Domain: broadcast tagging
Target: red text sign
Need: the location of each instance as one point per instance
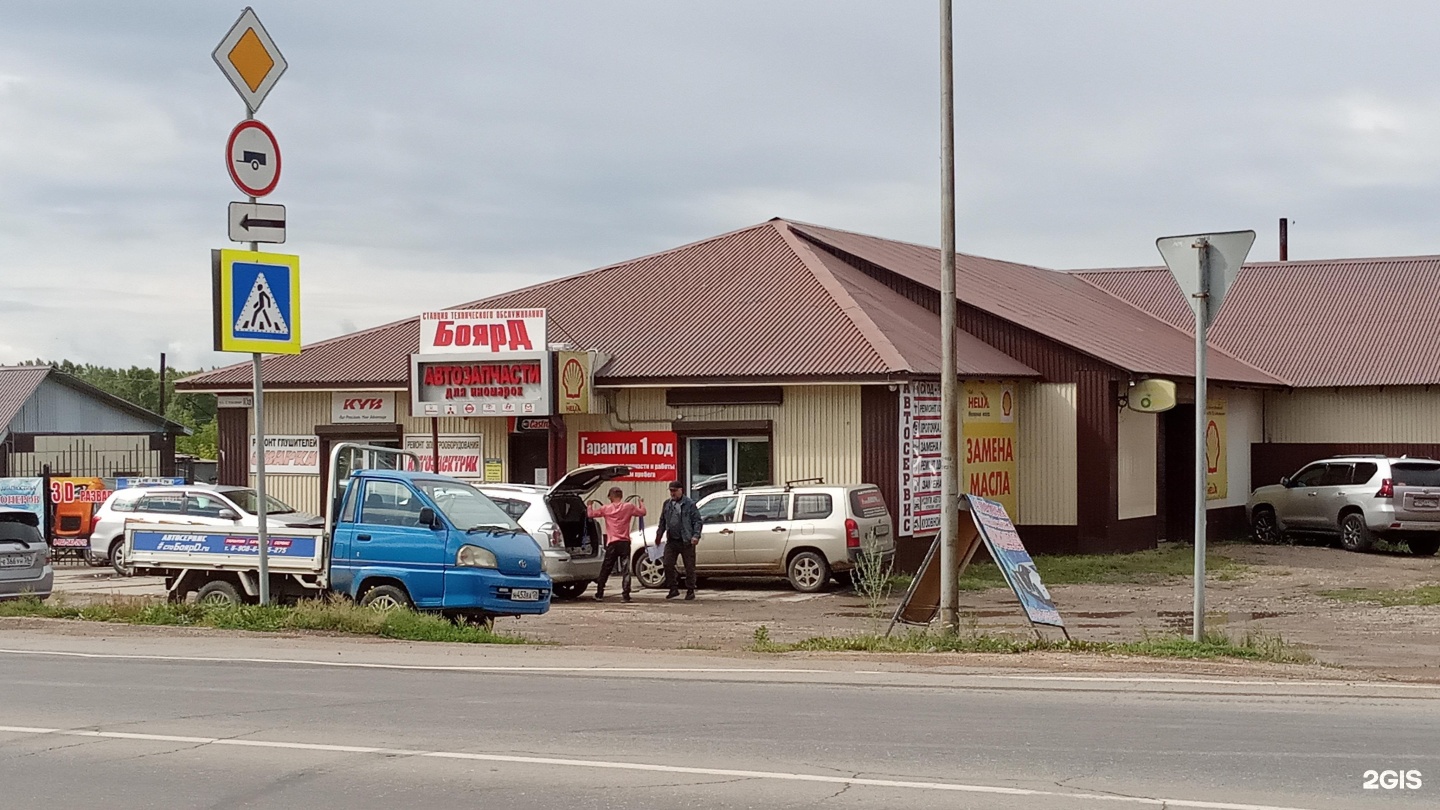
(474, 330)
(650, 455)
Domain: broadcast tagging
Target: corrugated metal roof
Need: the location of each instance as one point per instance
(17, 385)
(754, 303)
(1336, 322)
(1058, 305)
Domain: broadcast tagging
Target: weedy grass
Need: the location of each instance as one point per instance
(1168, 562)
(1423, 595)
(315, 616)
(1251, 647)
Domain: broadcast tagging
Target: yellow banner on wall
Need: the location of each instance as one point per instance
(1217, 457)
(576, 376)
(989, 458)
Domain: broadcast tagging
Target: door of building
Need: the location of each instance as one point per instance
(529, 458)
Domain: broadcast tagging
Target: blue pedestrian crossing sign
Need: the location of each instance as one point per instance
(257, 301)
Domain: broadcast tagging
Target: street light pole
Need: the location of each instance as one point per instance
(949, 385)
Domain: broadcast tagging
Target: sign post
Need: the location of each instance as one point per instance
(1204, 265)
(262, 315)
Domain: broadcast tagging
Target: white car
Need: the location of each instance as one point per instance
(571, 543)
(195, 505)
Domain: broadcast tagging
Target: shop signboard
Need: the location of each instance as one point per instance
(25, 494)
(650, 455)
(998, 532)
(517, 384)
(73, 502)
(362, 407)
(289, 455)
(461, 455)
(493, 331)
(577, 378)
(1217, 485)
(919, 459)
(987, 424)
(531, 424)
(127, 481)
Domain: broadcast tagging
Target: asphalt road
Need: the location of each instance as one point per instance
(199, 722)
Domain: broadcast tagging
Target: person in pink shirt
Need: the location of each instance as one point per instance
(617, 514)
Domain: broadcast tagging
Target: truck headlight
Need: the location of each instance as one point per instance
(476, 557)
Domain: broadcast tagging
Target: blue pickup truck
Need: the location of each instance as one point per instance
(395, 539)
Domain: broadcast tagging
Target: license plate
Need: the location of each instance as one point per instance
(1427, 503)
(17, 561)
(525, 595)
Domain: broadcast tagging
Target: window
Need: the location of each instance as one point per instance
(466, 506)
(1416, 475)
(1364, 471)
(163, 503)
(759, 508)
(347, 515)
(716, 465)
(515, 509)
(868, 503)
(1336, 475)
(390, 504)
(124, 504)
(249, 501)
(205, 506)
(720, 510)
(1310, 476)
(813, 507)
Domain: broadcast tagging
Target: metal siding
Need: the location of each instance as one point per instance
(817, 434)
(290, 414)
(1137, 453)
(1244, 410)
(16, 386)
(1048, 417)
(57, 408)
(1393, 414)
(101, 456)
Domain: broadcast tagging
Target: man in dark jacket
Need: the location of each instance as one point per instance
(680, 522)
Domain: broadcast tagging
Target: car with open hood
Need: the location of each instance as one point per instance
(557, 517)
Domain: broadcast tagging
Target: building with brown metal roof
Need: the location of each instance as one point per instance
(786, 351)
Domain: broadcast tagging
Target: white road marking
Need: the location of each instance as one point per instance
(648, 767)
(981, 676)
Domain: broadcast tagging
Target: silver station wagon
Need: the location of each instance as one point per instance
(25, 568)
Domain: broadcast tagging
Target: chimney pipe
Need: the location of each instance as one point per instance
(1284, 239)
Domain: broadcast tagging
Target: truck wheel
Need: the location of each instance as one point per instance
(384, 598)
(808, 572)
(1354, 534)
(117, 558)
(569, 590)
(1424, 547)
(218, 592)
(651, 573)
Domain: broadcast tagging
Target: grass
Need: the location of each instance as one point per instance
(1251, 647)
(1423, 595)
(332, 617)
(1138, 568)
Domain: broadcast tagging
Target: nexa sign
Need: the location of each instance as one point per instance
(370, 407)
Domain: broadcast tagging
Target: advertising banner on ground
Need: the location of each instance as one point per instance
(1000, 537)
(517, 384)
(649, 455)
(289, 455)
(919, 459)
(988, 458)
(461, 455)
(74, 501)
(494, 331)
(362, 407)
(26, 494)
(1217, 474)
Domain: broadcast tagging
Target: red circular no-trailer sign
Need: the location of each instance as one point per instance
(253, 157)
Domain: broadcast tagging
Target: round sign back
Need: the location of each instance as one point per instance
(253, 157)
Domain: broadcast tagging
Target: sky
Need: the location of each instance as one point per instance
(437, 152)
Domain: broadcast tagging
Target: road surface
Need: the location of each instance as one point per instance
(178, 721)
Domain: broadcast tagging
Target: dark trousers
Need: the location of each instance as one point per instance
(686, 550)
(617, 556)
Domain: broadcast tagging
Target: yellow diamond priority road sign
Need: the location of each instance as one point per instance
(249, 59)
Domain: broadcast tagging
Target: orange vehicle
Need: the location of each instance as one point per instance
(74, 502)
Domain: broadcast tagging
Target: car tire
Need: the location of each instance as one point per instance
(649, 573)
(1354, 534)
(1265, 527)
(384, 598)
(117, 558)
(96, 560)
(808, 572)
(1424, 547)
(218, 592)
(569, 590)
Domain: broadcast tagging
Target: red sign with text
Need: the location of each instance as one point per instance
(650, 455)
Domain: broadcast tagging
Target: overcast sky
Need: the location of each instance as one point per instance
(438, 152)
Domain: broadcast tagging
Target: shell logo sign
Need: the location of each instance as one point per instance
(577, 371)
(1217, 474)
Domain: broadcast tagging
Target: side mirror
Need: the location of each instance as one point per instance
(1286, 482)
(428, 518)
(228, 514)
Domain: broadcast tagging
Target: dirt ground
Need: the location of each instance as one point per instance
(1277, 596)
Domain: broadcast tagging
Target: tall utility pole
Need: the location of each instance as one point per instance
(949, 385)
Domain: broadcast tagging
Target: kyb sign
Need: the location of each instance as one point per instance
(362, 407)
(482, 330)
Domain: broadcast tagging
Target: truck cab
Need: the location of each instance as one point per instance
(433, 543)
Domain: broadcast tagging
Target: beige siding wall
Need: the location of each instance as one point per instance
(1394, 414)
(1244, 416)
(1137, 462)
(1047, 435)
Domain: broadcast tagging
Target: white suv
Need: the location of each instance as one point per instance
(196, 505)
(571, 543)
(805, 533)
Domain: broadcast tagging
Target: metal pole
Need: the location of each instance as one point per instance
(434, 445)
(162, 384)
(1202, 423)
(949, 394)
(260, 509)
